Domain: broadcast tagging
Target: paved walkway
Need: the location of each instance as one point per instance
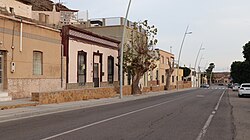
(33, 109)
(241, 113)
(17, 103)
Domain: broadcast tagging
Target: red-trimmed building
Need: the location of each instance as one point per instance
(90, 59)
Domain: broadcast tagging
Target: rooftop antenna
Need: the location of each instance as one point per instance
(171, 49)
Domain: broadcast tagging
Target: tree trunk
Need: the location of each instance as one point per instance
(168, 81)
(135, 85)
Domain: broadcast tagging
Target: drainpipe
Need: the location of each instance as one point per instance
(21, 36)
(61, 65)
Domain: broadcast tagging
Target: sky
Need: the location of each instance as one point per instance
(223, 26)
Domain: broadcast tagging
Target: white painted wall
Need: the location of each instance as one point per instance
(20, 9)
(75, 46)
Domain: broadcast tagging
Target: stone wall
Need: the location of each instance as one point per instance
(89, 93)
(73, 95)
(22, 88)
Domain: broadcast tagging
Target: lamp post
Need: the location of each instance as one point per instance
(179, 56)
(121, 50)
(201, 48)
(199, 72)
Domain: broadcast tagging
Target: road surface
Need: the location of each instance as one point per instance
(187, 115)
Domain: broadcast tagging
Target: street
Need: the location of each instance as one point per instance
(185, 115)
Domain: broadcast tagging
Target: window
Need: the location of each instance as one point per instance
(162, 79)
(37, 63)
(157, 78)
(110, 69)
(162, 59)
(11, 10)
(172, 79)
(81, 68)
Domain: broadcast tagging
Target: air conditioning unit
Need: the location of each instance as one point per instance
(12, 67)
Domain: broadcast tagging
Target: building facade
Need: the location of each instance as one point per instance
(91, 59)
(113, 28)
(17, 8)
(30, 58)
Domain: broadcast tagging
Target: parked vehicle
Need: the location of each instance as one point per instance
(236, 87)
(244, 89)
(204, 86)
(230, 85)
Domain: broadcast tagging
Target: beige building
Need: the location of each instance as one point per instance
(91, 59)
(16, 7)
(159, 75)
(57, 18)
(30, 58)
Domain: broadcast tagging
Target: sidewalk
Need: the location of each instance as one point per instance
(17, 103)
(241, 114)
(27, 108)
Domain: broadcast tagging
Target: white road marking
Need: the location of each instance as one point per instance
(112, 118)
(210, 118)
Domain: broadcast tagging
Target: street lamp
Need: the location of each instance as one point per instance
(121, 50)
(201, 48)
(200, 78)
(179, 56)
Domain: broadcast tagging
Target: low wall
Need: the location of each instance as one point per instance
(23, 87)
(73, 95)
(85, 94)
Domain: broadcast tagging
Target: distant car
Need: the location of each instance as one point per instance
(236, 87)
(230, 85)
(204, 86)
(244, 89)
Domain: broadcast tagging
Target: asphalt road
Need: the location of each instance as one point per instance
(188, 115)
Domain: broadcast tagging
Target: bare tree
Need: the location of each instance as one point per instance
(139, 54)
(169, 72)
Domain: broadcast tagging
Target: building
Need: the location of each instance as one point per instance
(90, 59)
(57, 17)
(221, 78)
(16, 7)
(160, 73)
(113, 28)
(30, 57)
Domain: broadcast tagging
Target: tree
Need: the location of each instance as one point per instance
(240, 71)
(186, 71)
(209, 72)
(139, 54)
(246, 51)
(169, 73)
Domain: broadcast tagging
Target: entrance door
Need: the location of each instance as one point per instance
(1, 72)
(96, 75)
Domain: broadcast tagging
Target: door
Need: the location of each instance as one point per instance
(1, 72)
(96, 75)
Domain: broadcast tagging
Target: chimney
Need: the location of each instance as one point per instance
(54, 8)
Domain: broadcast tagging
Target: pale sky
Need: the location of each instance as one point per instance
(222, 25)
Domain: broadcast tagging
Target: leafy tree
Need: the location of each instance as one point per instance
(186, 71)
(139, 54)
(240, 71)
(246, 51)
